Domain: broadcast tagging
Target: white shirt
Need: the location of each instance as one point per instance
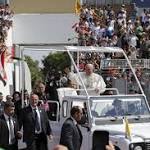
(12, 124)
(133, 40)
(74, 121)
(39, 118)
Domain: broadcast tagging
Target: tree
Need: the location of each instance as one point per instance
(55, 61)
(36, 73)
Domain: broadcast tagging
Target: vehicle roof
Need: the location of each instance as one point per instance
(73, 48)
(94, 49)
(102, 97)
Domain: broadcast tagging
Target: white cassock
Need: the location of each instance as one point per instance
(94, 83)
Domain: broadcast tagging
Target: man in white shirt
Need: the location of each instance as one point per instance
(93, 82)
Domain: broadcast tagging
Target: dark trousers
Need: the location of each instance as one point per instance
(31, 146)
(39, 143)
(12, 147)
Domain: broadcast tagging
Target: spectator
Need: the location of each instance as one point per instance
(25, 97)
(41, 92)
(18, 102)
(1, 103)
(143, 16)
(9, 98)
(70, 77)
(98, 30)
(53, 82)
(134, 13)
(146, 52)
(129, 32)
(16, 96)
(133, 39)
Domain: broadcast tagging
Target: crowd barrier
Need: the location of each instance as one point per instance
(122, 63)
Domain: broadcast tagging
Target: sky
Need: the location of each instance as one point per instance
(37, 55)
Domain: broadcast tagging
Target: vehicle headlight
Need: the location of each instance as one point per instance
(138, 148)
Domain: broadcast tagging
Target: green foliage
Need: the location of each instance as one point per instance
(36, 73)
(55, 61)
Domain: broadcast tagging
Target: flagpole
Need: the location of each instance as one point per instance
(77, 6)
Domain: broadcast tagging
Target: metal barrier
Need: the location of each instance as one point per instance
(122, 63)
(105, 2)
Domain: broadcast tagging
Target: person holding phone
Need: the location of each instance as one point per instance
(110, 146)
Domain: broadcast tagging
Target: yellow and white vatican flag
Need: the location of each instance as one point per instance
(77, 6)
(127, 128)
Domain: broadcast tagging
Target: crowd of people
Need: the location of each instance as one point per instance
(33, 112)
(31, 123)
(121, 27)
(31, 118)
(5, 21)
(108, 27)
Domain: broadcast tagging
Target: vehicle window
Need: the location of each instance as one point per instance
(119, 107)
(99, 109)
(53, 110)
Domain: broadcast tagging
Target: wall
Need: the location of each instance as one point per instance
(42, 6)
(43, 28)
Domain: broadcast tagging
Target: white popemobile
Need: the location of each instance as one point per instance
(122, 110)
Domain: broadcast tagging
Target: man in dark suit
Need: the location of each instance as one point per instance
(36, 125)
(9, 129)
(71, 136)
